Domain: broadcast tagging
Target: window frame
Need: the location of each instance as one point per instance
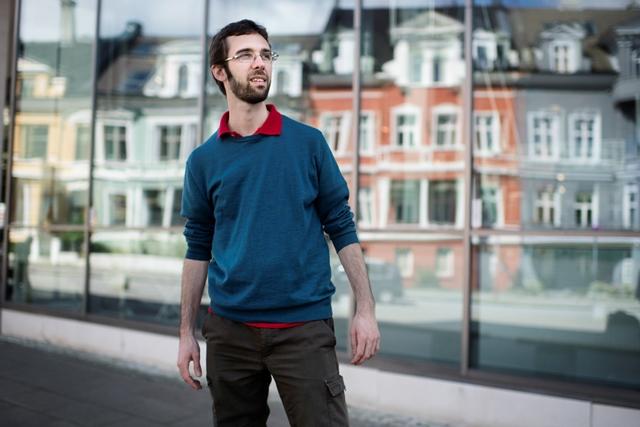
(596, 137)
(553, 201)
(432, 213)
(413, 129)
(101, 154)
(454, 130)
(480, 147)
(27, 142)
(587, 210)
(417, 205)
(338, 143)
(553, 132)
(569, 50)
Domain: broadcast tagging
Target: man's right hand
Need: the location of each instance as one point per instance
(189, 351)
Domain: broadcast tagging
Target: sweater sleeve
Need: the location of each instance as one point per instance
(198, 211)
(332, 202)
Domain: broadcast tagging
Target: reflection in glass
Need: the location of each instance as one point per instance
(46, 268)
(147, 116)
(556, 147)
(556, 116)
(411, 171)
(146, 127)
(136, 275)
(563, 307)
(53, 114)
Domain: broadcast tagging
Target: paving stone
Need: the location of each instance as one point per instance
(39, 400)
(39, 387)
(87, 414)
(14, 416)
(10, 388)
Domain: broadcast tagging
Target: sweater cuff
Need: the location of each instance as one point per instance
(343, 240)
(198, 255)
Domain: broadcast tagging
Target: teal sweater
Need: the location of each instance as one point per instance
(259, 205)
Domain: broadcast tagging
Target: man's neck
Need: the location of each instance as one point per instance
(246, 118)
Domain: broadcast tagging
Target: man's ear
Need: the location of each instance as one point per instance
(218, 73)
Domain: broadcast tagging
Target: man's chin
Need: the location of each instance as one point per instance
(255, 99)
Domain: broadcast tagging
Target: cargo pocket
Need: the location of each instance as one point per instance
(336, 402)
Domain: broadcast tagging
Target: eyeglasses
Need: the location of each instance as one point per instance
(249, 57)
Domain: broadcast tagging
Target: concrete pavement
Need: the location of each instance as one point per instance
(42, 385)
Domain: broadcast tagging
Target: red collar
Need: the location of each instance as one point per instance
(271, 126)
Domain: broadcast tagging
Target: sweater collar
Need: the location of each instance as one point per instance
(271, 126)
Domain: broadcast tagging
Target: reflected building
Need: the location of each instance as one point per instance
(530, 281)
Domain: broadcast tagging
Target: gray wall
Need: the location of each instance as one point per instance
(602, 175)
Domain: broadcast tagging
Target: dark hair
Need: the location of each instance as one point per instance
(218, 50)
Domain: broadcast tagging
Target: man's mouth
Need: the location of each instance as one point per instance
(258, 80)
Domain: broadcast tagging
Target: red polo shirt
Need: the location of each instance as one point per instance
(272, 126)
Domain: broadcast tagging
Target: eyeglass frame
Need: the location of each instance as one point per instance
(274, 56)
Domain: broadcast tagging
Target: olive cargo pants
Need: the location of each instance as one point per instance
(302, 360)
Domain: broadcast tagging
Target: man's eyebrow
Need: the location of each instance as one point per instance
(247, 49)
(243, 50)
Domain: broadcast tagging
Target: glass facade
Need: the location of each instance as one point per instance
(506, 170)
(50, 156)
(146, 125)
(556, 164)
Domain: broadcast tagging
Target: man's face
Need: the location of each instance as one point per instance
(248, 81)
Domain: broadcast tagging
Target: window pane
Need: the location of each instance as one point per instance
(136, 275)
(557, 126)
(563, 308)
(413, 72)
(147, 110)
(46, 268)
(53, 113)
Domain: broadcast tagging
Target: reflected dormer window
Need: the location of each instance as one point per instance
(561, 55)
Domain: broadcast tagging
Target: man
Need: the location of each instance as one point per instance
(258, 195)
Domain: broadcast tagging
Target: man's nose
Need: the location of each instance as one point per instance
(258, 62)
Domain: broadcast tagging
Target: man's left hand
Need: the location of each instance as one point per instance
(365, 337)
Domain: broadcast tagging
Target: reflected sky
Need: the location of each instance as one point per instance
(285, 16)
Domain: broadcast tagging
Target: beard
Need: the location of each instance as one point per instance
(245, 92)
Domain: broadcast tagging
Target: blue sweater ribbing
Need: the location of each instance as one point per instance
(259, 205)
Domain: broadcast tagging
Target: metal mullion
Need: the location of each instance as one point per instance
(11, 132)
(355, 135)
(468, 176)
(89, 209)
(205, 72)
